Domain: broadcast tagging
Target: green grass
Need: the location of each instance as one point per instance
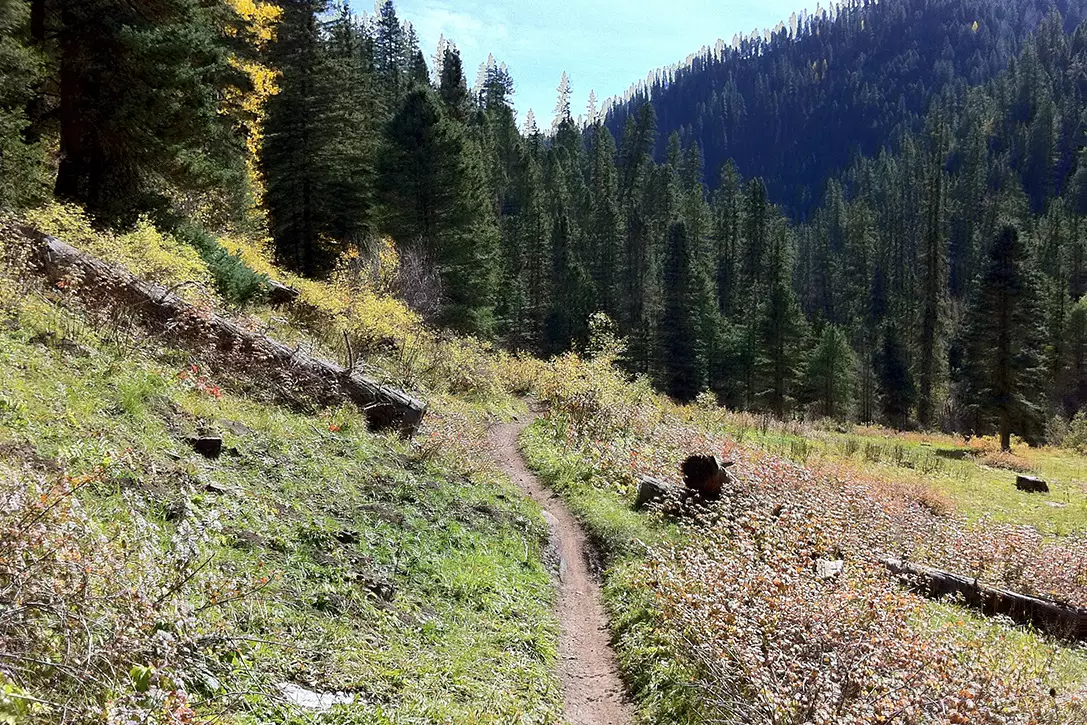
(650, 657)
(414, 581)
(976, 490)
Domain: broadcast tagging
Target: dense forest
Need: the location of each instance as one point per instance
(874, 214)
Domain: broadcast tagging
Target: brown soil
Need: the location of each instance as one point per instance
(592, 690)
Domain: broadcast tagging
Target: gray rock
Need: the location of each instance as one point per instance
(310, 700)
(827, 568)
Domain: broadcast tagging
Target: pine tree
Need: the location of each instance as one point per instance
(896, 386)
(431, 182)
(317, 157)
(139, 105)
(562, 103)
(726, 236)
(832, 374)
(933, 268)
(452, 87)
(688, 309)
(1002, 373)
(22, 158)
(604, 228)
(389, 49)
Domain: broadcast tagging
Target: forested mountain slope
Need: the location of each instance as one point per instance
(796, 104)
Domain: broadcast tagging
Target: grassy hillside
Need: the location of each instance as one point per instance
(141, 581)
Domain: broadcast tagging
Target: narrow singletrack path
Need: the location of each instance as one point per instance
(592, 690)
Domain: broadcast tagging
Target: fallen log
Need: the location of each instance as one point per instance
(280, 294)
(293, 373)
(1055, 618)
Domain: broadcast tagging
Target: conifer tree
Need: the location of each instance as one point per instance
(832, 374)
(688, 306)
(22, 158)
(434, 198)
(138, 112)
(452, 87)
(317, 157)
(896, 386)
(1002, 371)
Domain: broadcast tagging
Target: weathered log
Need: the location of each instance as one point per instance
(280, 294)
(294, 373)
(705, 475)
(1031, 484)
(1056, 618)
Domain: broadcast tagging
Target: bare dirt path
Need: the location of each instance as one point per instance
(592, 690)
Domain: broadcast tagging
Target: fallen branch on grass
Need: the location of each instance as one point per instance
(1055, 618)
(159, 309)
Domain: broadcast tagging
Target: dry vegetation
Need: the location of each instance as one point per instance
(739, 596)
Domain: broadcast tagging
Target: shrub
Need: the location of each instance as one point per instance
(235, 281)
(1076, 438)
(145, 251)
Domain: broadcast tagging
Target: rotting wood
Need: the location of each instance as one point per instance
(1055, 618)
(280, 294)
(291, 371)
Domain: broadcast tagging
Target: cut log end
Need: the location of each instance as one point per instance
(1031, 484)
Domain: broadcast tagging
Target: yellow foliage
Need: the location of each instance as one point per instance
(260, 20)
(145, 251)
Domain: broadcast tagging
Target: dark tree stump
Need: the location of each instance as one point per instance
(705, 475)
(280, 294)
(207, 446)
(1031, 484)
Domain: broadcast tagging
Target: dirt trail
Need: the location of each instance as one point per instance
(592, 690)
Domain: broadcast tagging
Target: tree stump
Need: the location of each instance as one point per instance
(1031, 484)
(705, 475)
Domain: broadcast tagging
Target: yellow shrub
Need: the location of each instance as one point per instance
(145, 251)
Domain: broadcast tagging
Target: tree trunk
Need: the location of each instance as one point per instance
(35, 107)
(72, 155)
(1056, 618)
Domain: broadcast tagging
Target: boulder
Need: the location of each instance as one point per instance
(1031, 484)
(653, 489)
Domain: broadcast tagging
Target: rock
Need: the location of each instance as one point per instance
(310, 700)
(207, 446)
(382, 589)
(1031, 484)
(280, 294)
(705, 475)
(347, 537)
(1054, 504)
(216, 488)
(827, 568)
(652, 489)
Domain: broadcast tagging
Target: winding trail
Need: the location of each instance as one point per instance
(591, 687)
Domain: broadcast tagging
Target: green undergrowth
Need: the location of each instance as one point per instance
(650, 656)
(311, 552)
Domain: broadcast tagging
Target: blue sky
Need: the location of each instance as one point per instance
(605, 45)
